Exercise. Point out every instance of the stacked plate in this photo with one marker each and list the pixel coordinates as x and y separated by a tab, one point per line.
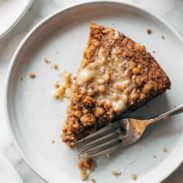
10	13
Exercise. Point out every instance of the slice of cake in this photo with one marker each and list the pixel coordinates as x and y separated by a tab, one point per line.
116	76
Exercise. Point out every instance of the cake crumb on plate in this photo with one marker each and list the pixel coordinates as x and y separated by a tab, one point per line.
32	75
63	90
55	66
108	155
53	141
149	31
47	61
57	85
165	149
59	93
93	180
116	174
163	37
86	166
133	176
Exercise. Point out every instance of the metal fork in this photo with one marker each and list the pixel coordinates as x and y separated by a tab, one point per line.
118	134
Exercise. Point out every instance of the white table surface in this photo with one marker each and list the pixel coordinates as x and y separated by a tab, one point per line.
171	10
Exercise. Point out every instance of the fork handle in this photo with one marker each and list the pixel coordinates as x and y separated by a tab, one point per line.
167	114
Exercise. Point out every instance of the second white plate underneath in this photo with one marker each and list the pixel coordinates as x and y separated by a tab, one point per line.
10	13
36	118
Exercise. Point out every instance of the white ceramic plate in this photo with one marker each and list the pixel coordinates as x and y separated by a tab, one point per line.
7	173
36	118
11	11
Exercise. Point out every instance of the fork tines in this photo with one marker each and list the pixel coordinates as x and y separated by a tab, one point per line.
103	141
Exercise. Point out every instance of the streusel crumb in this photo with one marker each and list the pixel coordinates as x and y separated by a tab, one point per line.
149	31
165	149
133	176
32	75
116	173
93	180
63	90
86	166
47	61
55	66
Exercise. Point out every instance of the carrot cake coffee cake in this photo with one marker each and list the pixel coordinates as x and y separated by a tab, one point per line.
116	75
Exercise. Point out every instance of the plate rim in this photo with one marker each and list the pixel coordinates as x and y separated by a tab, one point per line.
17	20
162	175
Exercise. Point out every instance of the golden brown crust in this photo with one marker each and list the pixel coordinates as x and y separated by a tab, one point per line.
140	68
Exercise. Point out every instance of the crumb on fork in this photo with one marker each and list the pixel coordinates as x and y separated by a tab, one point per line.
133	176
149	31
116	173
32	75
